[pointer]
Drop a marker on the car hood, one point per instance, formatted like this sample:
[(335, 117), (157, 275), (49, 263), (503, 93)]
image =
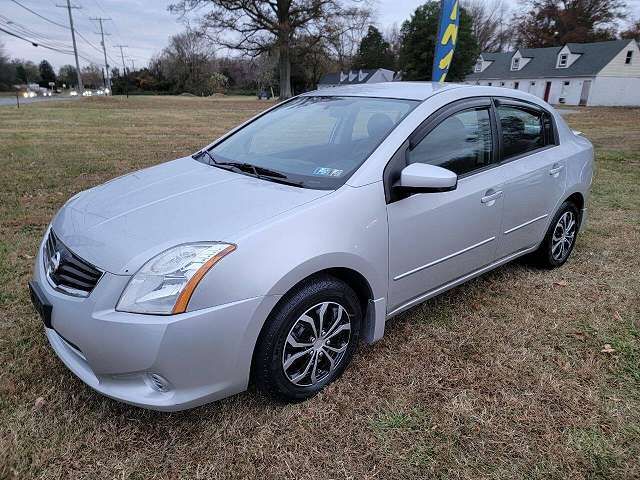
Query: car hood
[(121, 224)]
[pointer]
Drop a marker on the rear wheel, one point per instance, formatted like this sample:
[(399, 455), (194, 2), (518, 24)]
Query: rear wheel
[(308, 340), (561, 237)]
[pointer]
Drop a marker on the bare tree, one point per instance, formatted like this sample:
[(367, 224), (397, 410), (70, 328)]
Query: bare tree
[(490, 24), (550, 23), (346, 32), (91, 75), (392, 35), (263, 68), (259, 26), (188, 62), (633, 32)]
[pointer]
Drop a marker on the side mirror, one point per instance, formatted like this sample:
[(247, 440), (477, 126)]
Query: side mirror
[(425, 178)]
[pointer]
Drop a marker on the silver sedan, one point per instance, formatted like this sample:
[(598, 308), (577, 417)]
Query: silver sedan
[(269, 255)]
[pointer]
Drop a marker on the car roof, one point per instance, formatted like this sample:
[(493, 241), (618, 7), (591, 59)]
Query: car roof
[(404, 90)]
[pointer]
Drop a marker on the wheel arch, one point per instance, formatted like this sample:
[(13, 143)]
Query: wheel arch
[(577, 198), (349, 275), (352, 271)]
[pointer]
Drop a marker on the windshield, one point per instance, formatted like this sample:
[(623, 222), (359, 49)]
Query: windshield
[(314, 142)]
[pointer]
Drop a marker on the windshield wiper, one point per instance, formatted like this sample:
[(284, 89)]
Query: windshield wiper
[(260, 172), (255, 170)]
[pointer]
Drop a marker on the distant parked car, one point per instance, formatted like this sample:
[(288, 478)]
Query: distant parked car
[(271, 253), (73, 93), (100, 92), (264, 95), (29, 94), (46, 93), (87, 93)]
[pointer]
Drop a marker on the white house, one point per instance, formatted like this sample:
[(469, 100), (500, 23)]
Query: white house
[(337, 79), (602, 73)]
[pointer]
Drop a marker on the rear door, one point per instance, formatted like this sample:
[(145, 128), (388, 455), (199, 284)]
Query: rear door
[(534, 173)]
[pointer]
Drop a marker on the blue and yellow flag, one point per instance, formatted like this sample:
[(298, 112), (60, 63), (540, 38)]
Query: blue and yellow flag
[(447, 37)]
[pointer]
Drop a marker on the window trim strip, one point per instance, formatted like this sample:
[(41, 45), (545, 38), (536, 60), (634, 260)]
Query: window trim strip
[(435, 118), (524, 105), (443, 259), (522, 225)]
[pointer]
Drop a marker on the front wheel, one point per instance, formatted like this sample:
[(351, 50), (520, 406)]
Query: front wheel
[(309, 339), (561, 237)]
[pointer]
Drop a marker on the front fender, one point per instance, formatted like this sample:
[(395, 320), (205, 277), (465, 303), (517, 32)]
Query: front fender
[(346, 229)]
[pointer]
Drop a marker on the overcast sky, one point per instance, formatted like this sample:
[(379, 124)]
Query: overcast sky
[(143, 25)]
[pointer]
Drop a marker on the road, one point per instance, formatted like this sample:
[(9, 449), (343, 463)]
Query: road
[(11, 101)]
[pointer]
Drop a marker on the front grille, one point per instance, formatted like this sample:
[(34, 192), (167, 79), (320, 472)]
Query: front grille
[(67, 271)]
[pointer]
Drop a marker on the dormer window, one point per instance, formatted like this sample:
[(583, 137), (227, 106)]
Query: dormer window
[(515, 64), (627, 60), (478, 66), (562, 61)]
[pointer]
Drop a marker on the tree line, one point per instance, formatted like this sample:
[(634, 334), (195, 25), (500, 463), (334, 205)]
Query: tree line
[(25, 72), (287, 45)]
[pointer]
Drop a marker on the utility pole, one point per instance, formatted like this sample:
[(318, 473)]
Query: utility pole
[(104, 48), (124, 69), (133, 65), (73, 38)]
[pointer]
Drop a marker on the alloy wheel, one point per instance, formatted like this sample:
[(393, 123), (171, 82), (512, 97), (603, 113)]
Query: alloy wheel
[(564, 234), (316, 344)]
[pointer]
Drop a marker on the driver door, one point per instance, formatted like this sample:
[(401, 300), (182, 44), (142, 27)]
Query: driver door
[(437, 238)]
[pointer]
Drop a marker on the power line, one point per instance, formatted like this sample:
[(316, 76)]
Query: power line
[(21, 29), (38, 15), (38, 43), (115, 26), (86, 40), (53, 22), (74, 31), (112, 23), (34, 43)]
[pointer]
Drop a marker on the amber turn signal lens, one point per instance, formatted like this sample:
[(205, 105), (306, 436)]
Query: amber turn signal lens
[(187, 291)]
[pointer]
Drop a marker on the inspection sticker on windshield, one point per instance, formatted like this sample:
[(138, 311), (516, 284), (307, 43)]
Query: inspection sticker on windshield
[(328, 172)]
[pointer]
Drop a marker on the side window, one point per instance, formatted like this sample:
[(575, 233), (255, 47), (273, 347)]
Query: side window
[(461, 143), (523, 130)]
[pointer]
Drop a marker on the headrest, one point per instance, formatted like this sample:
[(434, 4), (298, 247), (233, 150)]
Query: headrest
[(378, 125)]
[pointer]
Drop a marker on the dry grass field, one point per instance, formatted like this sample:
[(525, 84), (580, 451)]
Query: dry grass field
[(505, 377)]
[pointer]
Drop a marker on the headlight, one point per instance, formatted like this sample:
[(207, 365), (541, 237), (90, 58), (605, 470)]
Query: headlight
[(165, 283)]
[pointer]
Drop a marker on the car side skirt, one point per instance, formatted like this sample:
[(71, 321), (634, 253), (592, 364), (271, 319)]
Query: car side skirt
[(458, 281)]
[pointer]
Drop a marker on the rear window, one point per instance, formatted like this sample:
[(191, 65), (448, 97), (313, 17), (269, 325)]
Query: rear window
[(523, 130)]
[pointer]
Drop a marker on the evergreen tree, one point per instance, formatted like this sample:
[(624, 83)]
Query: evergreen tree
[(374, 51), (26, 71), (46, 73), (418, 43)]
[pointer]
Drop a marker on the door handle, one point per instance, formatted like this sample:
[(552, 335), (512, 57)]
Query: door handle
[(490, 198), (556, 170)]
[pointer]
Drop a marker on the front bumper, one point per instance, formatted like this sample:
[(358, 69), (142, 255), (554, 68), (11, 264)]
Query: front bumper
[(204, 355)]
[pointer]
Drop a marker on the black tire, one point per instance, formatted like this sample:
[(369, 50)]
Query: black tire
[(547, 255), (273, 345)]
